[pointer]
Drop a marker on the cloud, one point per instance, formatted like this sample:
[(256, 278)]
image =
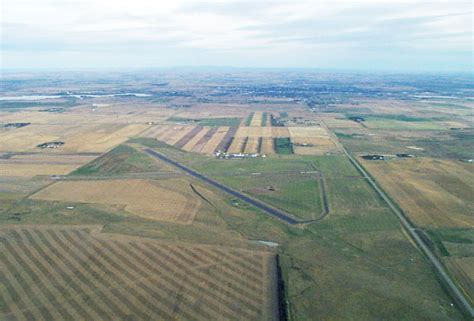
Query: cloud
[(232, 31)]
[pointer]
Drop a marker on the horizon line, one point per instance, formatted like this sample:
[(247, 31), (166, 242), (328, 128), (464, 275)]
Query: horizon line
[(236, 68)]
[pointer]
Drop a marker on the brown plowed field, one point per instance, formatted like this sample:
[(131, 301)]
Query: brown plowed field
[(227, 140)]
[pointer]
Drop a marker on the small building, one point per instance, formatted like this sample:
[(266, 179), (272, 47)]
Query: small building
[(53, 145), (404, 155), (357, 119), (16, 125), (373, 157)]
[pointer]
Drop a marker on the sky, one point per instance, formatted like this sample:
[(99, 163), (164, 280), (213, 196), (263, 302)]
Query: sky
[(138, 34)]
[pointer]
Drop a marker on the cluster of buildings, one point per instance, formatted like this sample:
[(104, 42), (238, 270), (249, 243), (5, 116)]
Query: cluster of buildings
[(221, 154)]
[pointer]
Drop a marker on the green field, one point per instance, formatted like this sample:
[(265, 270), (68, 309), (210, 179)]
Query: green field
[(400, 117), (283, 145), (264, 119), (248, 120), (405, 125), (440, 144), (292, 178), (17, 105), (453, 241), (296, 194), (121, 160)]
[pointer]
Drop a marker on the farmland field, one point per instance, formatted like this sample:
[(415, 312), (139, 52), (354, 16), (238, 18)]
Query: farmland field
[(214, 122), (248, 120), (463, 270), (253, 132), (283, 145), (168, 200), (29, 170), (238, 145), (101, 138), (99, 229), (429, 195), (256, 120), (191, 143), (251, 138), (77, 138), (267, 146), (252, 145), (177, 134), (29, 165), (213, 143), (120, 160), (405, 125), (26, 138), (298, 195), (311, 141), (102, 277)]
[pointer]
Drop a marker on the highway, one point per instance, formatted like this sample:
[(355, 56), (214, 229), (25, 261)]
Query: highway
[(285, 217), (446, 279), (462, 301)]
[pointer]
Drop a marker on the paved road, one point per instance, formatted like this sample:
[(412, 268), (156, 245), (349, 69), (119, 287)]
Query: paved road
[(456, 294), (453, 289), (285, 217)]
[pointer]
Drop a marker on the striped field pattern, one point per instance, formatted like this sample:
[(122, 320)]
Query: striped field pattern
[(77, 273), (256, 137)]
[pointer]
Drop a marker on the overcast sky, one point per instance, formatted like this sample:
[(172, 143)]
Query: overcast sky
[(368, 34)]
